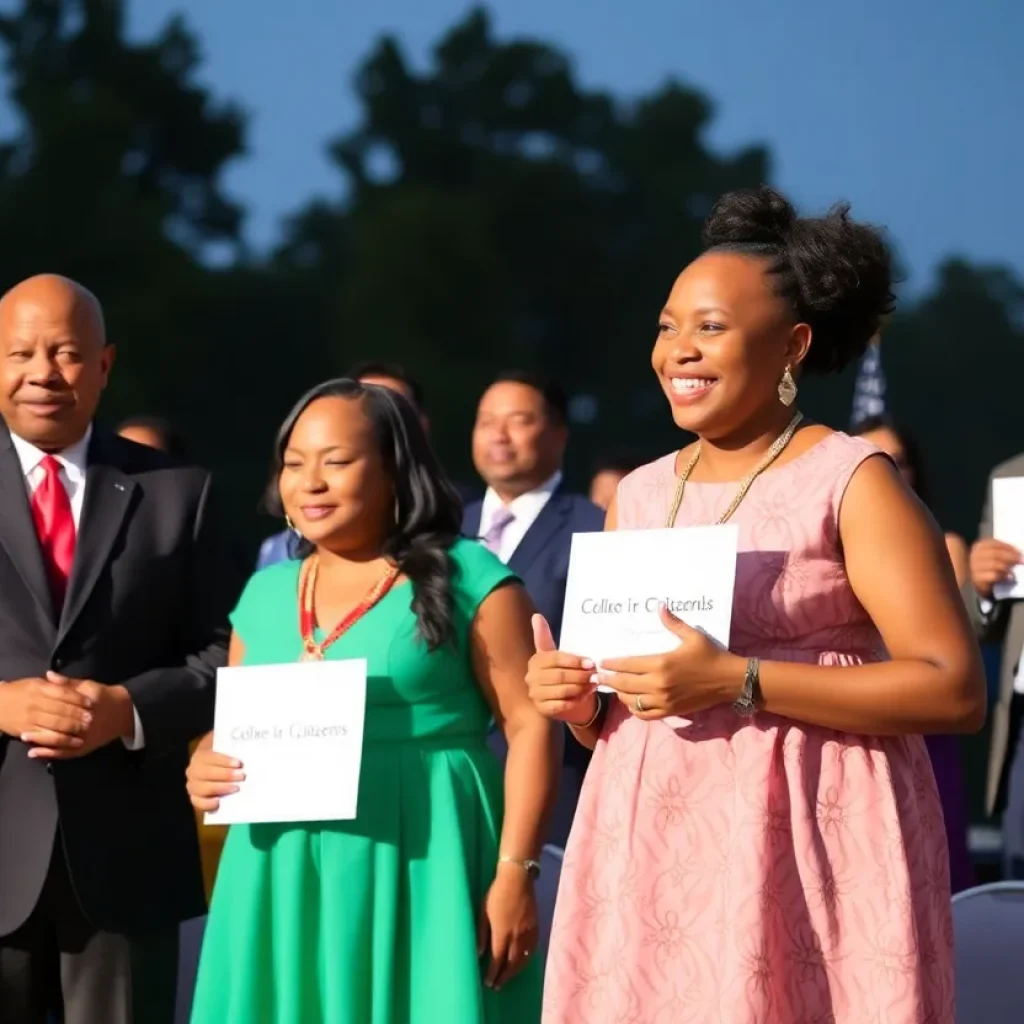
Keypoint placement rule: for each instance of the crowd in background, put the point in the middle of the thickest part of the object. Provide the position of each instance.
(757, 865)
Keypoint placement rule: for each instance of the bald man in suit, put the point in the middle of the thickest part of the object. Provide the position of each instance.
(113, 621)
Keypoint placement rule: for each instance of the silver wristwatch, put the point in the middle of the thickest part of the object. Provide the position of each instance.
(749, 702)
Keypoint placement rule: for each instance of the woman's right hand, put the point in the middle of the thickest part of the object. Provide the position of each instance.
(991, 562)
(210, 776)
(561, 685)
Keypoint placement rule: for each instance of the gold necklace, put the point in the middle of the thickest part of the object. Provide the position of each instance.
(745, 484)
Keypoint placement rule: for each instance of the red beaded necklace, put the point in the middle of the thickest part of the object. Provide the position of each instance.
(311, 650)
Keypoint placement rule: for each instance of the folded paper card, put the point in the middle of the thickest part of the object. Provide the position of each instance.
(298, 731)
(618, 580)
(1008, 526)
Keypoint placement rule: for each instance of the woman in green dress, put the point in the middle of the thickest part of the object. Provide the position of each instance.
(421, 910)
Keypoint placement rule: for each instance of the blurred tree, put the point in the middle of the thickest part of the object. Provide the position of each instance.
(500, 215)
(114, 179)
(497, 214)
(954, 361)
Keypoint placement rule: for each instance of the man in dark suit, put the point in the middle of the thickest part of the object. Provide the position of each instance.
(113, 604)
(527, 519)
(1002, 622)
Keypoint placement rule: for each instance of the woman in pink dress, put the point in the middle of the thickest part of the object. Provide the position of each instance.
(759, 839)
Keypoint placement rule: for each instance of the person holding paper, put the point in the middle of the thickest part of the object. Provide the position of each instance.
(421, 909)
(998, 615)
(759, 836)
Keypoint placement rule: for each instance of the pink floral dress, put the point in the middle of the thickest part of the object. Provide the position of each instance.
(758, 871)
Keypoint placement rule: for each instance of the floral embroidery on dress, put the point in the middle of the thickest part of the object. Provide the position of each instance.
(767, 871)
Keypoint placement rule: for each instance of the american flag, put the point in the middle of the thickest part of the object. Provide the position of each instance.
(869, 391)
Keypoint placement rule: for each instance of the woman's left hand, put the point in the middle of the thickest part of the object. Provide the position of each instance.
(508, 924)
(698, 674)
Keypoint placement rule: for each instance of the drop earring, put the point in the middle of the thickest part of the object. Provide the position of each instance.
(787, 388)
(291, 526)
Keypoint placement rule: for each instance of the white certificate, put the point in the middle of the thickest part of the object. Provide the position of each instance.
(298, 731)
(1008, 526)
(617, 580)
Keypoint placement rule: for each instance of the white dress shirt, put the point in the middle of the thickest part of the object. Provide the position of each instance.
(525, 508)
(74, 471)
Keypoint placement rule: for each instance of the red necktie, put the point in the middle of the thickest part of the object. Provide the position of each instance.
(55, 526)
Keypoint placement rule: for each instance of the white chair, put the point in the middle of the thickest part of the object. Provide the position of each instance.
(190, 941)
(988, 932)
(547, 890)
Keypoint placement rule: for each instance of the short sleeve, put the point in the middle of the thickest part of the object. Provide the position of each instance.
(477, 573)
(850, 453)
(252, 607)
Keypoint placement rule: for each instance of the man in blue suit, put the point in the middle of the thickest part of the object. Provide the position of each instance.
(527, 519)
(285, 545)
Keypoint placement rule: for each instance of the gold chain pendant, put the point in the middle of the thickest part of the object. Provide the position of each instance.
(745, 484)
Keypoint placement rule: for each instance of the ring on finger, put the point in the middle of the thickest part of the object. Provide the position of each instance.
(638, 705)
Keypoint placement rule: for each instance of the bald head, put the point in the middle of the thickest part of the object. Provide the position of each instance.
(51, 295)
(55, 360)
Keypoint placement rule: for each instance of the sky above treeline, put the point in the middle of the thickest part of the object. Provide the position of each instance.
(910, 110)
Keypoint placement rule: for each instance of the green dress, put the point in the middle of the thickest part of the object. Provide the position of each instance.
(372, 921)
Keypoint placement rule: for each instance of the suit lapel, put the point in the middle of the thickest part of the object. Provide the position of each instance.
(551, 519)
(108, 497)
(1013, 645)
(17, 531)
(1014, 639)
(471, 519)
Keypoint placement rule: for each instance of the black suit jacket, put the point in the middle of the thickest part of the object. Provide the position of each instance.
(146, 608)
(541, 561)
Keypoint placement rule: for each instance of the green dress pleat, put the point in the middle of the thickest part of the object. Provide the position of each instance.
(372, 921)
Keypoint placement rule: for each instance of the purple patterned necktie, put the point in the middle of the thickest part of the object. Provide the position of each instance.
(492, 538)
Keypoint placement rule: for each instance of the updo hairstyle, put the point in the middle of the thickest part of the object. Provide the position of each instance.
(834, 272)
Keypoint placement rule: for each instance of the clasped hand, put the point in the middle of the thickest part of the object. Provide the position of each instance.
(697, 674)
(63, 718)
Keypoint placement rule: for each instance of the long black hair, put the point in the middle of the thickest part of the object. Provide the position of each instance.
(428, 513)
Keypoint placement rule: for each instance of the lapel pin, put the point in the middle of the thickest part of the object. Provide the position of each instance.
(120, 487)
